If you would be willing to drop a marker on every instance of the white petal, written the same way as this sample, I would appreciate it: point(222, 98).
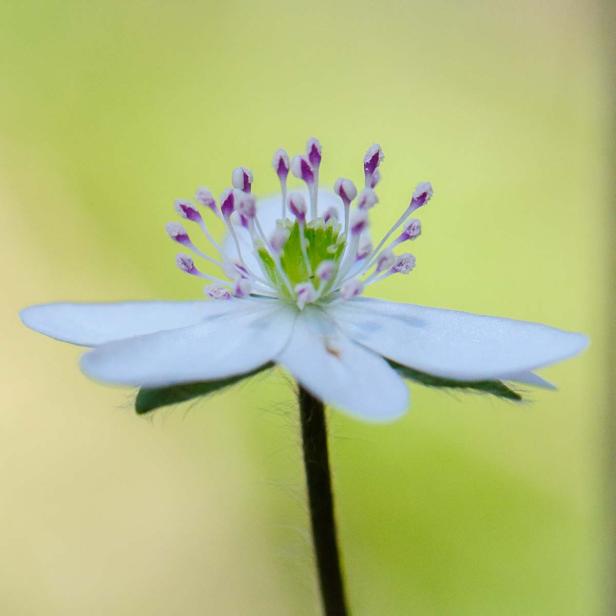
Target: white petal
point(94, 324)
point(529, 378)
point(342, 373)
point(454, 344)
point(231, 344)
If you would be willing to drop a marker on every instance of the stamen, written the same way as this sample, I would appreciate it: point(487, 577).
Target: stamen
point(364, 249)
point(242, 288)
point(241, 178)
point(216, 292)
point(351, 288)
point(372, 159)
point(331, 215)
point(421, 195)
point(233, 269)
point(324, 273)
point(297, 205)
point(404, 264)
point(227, 203)
point(247, 208)
point(302, 169)
point(187, 210)
point(346, 190)
point(325, 270)
point(367, 199)
point(186, 264)
point(190, 212)
point(411, 231)
point(313, 151)
point(281, 166)
point(306, 294)
point(178, 234)
point(386, 260)
point(206, 199)
point(359, 222)
point(279, 238)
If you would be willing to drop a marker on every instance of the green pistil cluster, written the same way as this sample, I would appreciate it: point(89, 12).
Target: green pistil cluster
point(322, 242)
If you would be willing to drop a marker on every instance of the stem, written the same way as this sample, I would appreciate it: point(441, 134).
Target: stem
point(321, 503)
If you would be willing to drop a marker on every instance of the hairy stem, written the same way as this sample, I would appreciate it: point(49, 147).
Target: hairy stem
point(321, 504)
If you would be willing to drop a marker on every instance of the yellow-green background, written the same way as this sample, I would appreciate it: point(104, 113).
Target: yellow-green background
point(467, 506)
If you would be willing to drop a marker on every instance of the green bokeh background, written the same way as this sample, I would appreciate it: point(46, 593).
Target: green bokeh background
point(466, 506)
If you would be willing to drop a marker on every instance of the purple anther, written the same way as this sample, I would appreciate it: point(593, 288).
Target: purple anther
point(177, 233)
point(411, 231)
point(367, 199)
point(187, 210)
point(346, 190)
point(305, 294)
point(359, 222)
point(227, 203)
point(403, 264)
point(301, 168)
point(281, 164)
point(218, 292)
point(325, 270)
point(242, 288)
point(372, 159)
point(351, 288)
point(241, 178)
point(421, 195)
point(331, 214)
point(279, 239)
point(313, 151)
point(205, 198)
point(385, 261)
point(186, 264)
point(297, 205)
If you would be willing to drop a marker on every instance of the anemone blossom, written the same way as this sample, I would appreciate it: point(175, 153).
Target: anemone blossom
point(289, 290)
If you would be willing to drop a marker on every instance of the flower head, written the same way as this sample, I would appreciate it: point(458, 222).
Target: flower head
point(286, 286)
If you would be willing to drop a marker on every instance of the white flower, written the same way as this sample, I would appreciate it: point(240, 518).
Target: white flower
point(290, 293)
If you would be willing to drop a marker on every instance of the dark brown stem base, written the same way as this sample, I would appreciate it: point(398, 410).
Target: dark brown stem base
point(321, 504)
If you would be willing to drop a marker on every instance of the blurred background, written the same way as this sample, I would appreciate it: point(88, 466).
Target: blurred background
point(468, 505)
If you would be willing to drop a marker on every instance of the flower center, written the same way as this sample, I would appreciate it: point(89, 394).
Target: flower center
point(310, 256)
